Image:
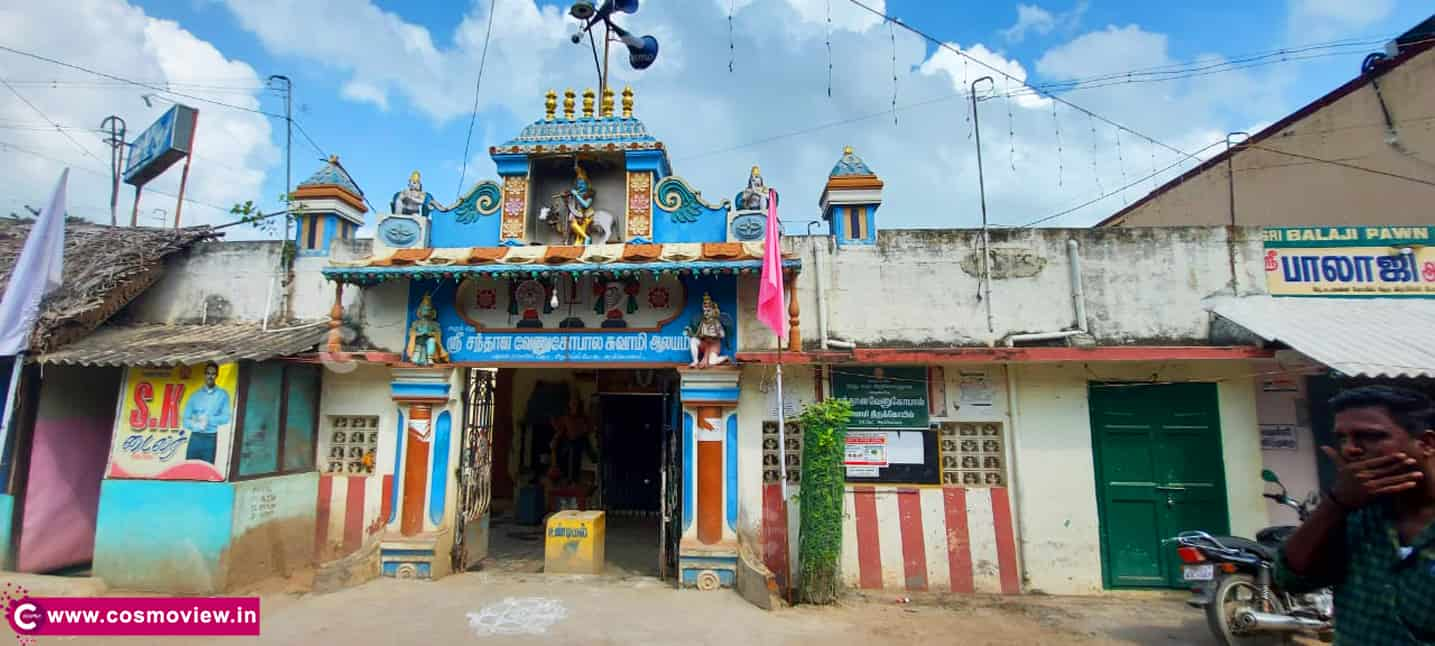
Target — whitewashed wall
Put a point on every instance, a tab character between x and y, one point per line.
1143	286
1055	490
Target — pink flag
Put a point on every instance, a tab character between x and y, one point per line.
770	307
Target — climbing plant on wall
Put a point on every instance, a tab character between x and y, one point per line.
824	429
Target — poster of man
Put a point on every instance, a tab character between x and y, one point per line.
175	423
205	412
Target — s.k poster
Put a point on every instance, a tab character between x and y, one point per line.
175	423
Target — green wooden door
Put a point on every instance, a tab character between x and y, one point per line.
1158	473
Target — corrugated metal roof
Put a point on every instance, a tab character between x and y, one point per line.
172	345
1360	337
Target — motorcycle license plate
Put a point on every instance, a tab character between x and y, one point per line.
1198	572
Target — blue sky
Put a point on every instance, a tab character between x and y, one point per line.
387	85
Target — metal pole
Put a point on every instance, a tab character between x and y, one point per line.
10	395
1231	192
982	188
607	38
116	142
288	147
184	177
135	214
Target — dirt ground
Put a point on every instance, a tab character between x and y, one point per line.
514	608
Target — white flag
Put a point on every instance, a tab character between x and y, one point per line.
37	272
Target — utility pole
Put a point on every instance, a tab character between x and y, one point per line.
982	190
288	146
116	140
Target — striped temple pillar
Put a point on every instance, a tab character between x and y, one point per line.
708	552
417	531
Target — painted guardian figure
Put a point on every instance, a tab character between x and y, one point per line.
425	345
706	334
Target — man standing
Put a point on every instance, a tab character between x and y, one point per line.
207	410
1372	537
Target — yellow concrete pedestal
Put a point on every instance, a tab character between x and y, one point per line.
573	543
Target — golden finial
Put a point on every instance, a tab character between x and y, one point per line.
550	105
607	105
628	102
568	103
755	172
847	150
588	95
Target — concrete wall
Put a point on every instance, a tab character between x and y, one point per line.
203	537
240	281
1275	189
925	282
187	556
920	287
1282	400
352	509
273	531
1055	487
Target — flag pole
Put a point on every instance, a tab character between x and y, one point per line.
10	395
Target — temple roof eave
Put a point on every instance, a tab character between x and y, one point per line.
364	276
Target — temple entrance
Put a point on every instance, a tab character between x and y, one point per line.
590	440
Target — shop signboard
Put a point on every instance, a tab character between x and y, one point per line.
883	397
1391	261
175	423
165	142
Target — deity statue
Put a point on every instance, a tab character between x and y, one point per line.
754	197
425	338
413	200
706	334
573	215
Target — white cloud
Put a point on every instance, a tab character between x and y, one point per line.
773	109
843	14
1029	18
232	149
1034	19
1008	76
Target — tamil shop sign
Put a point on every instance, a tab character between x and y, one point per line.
1395	261
175	423
883	397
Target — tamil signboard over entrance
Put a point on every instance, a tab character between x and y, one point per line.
1396	261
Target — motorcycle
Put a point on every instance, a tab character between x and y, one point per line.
1233	579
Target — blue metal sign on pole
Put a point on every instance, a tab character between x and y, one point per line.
165	142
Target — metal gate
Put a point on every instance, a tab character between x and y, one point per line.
475	471
671	531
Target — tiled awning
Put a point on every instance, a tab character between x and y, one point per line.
156	345
533	261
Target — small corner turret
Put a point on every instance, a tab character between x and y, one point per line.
850	199
327	207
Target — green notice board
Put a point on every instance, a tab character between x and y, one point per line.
883	397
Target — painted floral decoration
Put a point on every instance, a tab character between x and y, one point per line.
658	298
487	299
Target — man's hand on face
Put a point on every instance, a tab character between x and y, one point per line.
1360	481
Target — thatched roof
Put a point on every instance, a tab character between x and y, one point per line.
105	268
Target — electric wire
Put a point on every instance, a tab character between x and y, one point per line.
477	85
